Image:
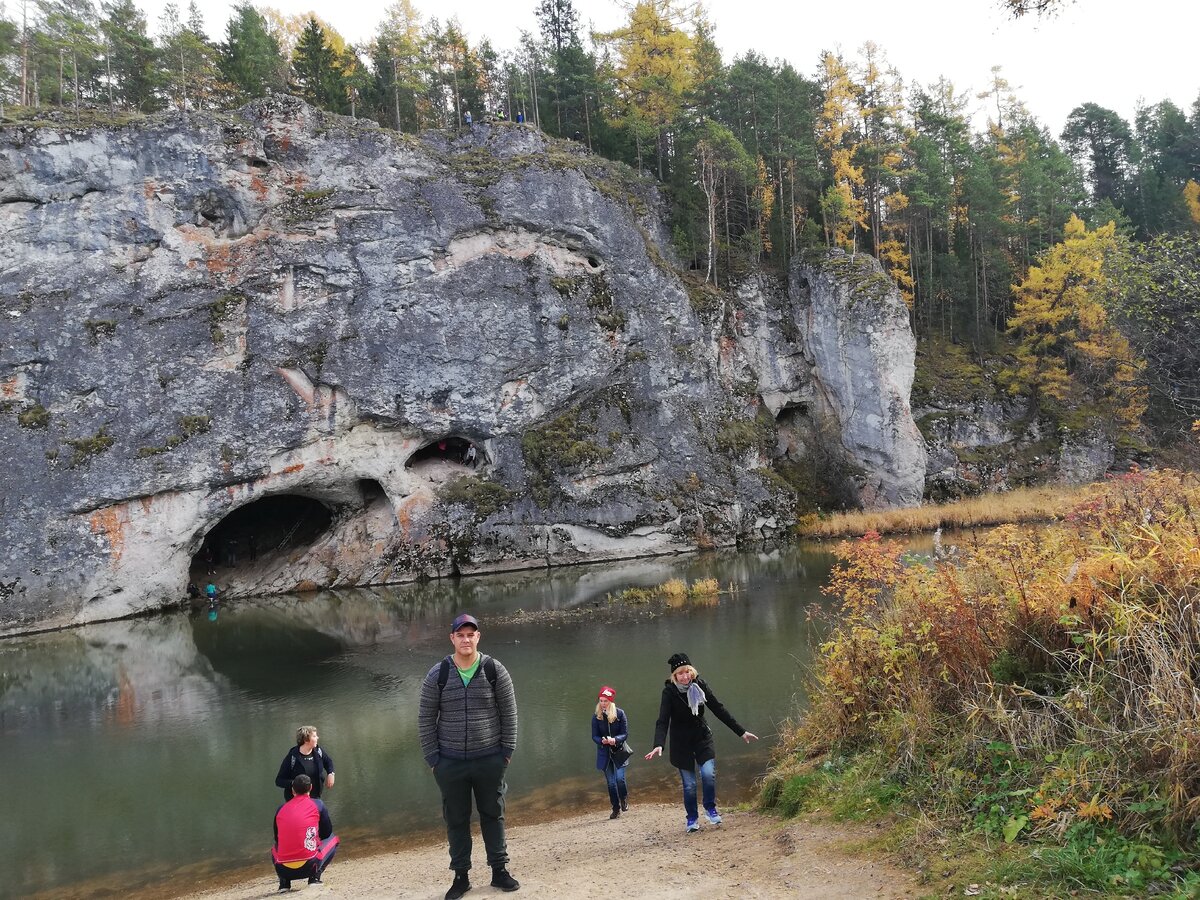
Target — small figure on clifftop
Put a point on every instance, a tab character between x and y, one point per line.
306	758
467	118
681	711
304	840
610	728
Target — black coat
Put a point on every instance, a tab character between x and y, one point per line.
691	737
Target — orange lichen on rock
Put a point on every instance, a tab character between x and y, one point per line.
111	522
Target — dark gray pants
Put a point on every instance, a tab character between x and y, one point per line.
459	779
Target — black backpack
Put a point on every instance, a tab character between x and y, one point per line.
489	670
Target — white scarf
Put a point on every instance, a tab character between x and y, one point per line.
695	696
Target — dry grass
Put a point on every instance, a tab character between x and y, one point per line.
1071	649
1043	504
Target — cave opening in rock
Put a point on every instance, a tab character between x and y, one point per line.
250	535
452	449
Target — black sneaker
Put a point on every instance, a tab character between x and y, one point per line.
616	813
504	881
316	879
461	885
624	805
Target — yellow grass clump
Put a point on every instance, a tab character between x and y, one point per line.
1043	504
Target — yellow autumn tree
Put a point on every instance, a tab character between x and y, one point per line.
841	207
1191	196
654	67
1067	351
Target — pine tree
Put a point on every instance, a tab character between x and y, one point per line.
316	68
250	58
130	56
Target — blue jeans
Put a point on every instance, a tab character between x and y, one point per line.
708	784
617	792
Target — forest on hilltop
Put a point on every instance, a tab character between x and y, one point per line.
1069	261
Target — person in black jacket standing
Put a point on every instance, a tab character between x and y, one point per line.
685	697
306	758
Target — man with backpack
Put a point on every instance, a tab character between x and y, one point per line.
467	722
306	758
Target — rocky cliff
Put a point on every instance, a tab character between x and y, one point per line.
258	347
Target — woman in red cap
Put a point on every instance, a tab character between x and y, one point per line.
609	730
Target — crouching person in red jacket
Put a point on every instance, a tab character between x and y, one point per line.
304	838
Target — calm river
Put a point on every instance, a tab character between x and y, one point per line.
140	756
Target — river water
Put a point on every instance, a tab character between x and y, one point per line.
140	756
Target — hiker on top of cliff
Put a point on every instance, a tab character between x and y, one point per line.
467	118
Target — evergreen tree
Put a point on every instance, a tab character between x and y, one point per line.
250	58
316	68
402	69
188	61
1100	141
131	59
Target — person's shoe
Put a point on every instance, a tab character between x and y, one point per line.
316	879
624	805
504	881
714	817
693	825
616	813
284	888
461	885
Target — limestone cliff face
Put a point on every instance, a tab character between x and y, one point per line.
259	345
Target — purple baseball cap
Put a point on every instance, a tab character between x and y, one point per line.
462	620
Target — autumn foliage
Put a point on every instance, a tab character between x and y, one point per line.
1072	647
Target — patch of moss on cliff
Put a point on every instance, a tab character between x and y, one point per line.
306	206
484	498
36	416
563	443
220	310
736	436
946	373
85	448
189	427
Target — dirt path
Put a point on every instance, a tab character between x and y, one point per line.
645	853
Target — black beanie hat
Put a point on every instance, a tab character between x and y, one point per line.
677	660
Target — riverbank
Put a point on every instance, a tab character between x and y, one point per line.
645	853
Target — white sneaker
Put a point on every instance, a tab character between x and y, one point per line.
693	825
714	817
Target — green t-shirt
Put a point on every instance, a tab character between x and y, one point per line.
467	674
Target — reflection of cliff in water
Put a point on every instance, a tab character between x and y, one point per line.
128	672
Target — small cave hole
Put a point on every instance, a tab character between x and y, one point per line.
593	262
372	492
252	536
451	449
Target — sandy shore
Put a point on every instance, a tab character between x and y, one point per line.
645	853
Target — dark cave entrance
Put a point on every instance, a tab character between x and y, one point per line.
452	449
250	535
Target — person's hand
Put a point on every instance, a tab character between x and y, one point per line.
329	780
749	736
657	751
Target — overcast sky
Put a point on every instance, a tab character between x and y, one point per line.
1111	52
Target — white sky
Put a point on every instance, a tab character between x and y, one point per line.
1110	52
